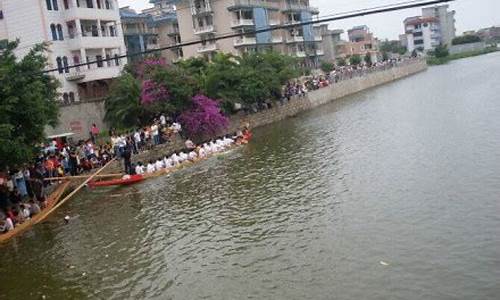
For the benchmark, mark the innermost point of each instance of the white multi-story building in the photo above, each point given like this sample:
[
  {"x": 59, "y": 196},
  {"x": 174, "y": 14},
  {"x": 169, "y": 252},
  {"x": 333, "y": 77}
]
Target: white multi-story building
[
  {"x": 201, "y": 20},
  {"x": 77, "y": 31},
  {"x": 435, "y": 27},
  {"x": 422, "y": 34}
]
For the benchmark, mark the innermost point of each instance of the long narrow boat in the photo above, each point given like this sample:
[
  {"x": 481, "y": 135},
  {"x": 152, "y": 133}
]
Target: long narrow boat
[
  {"x": 119, "y": 181},
  {"x": 51, "y": 202}
]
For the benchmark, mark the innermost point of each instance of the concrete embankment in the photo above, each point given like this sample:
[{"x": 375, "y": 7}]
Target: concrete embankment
[{"x": 299, "y": 104}]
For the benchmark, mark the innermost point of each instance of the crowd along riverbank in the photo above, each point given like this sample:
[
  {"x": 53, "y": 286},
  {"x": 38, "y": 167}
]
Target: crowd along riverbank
[{"x": 341, "y": 86}]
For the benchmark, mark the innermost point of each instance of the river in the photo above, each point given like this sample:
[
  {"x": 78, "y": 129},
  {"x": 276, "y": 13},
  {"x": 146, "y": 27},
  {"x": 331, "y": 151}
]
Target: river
[{"x": 392, "y": 193}]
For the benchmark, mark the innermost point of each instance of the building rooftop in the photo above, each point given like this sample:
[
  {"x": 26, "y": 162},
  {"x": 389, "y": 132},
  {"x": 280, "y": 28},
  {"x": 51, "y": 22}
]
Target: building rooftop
[{"x": 419, "y": 20}]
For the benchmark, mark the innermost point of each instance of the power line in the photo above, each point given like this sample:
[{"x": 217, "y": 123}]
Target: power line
[{"x": 341, "y": 16}]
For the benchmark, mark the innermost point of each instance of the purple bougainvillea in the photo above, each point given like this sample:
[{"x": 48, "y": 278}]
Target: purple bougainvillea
[
  {"x": 204, "y": 117},
  {"x": 153, "y": 92}
]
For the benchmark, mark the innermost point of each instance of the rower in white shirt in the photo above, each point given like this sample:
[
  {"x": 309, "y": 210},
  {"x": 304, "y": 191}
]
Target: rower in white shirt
[
  {"x": 220, "y": 143},
  {"x": 167, "y": 162},
  {"x": 192, "y": 155},
  {"x": 183, "y": 156},
  {"x": 159, "y": 164},
  {"x": 201, "y": 152},
  {"x": 214, "y": 147},
  {"x": 139, "y": 169},
  {"x": 175, "y": 159},
  {"x": 151, "y": 167},
  {"x": 207, "y": 149}
]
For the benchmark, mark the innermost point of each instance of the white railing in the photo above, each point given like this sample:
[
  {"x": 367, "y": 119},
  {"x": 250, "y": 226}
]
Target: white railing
[
  {"x": 253, "y": 3},
  {"x": 207, "y": 48},
  {"x": 245, "y": 41},
  {"x": 205, "y": 29},
  {"x": 242, "y": 22},
  {"x": 295, "y": 39},
  {"x": 313, "y": 10},
  {"x": 300, "y": 54}
]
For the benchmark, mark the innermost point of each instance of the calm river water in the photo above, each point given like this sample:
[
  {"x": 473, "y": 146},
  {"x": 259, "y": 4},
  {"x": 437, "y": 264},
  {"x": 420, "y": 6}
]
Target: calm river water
[{"x": 407, "y": 174}]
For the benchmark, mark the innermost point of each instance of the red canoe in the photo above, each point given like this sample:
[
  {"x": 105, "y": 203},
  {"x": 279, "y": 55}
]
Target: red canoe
[{"x": 131, "y": 180}]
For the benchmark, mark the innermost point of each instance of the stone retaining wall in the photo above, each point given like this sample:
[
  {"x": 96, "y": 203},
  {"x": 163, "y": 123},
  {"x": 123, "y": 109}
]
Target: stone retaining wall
[{"x": 299, "y": 104}]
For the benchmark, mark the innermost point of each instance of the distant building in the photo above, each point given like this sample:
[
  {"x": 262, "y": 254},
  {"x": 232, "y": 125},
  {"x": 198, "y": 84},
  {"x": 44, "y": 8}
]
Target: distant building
[
  {"x": 435, "y": 27},
  {"x": 445, "y": 20},
  {"x": 361, "y": 42},
  {"x": 138, "y": 34},
  {"x": 331, "y": 40},
  {"x": 205, "y": 19},
  {"x": 153, "y": 28},
  {"x": 490, "y": 34}
]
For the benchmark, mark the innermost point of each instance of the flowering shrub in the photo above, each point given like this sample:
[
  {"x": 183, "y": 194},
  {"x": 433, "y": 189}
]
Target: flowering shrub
[
  {"x": 204, "y": 117},
  {"x": 152, "y": 92}
]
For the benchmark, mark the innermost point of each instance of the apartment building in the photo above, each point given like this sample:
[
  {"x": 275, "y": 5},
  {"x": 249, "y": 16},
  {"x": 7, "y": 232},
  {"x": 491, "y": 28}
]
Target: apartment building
[
  {"x": 138, "y": 33},
  {"x": 77, "y": 31},
  {"x": 445, "y": 21},
  {"x": 435, "y": 27},
  {"x": 200, "y": 20},
  {"x": 331, "y": 41},
  {"x": 153, "y": 28},
  {"x": 422, "y": 34},
  {"x": 361, "y": 42}
]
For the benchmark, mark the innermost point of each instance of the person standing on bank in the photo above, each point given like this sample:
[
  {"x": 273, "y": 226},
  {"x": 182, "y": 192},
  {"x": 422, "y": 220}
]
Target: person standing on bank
[
  {"x": 127, "y": 154},
  {"x": 94, "y": 133}
]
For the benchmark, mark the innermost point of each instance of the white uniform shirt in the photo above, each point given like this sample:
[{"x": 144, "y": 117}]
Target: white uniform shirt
[
  {"x": 192, "y": 155},
  {"x": 137, "y": 137},
  {"x": 139, "y": 170},
  {"x": 168, "y": 162},
  {"x": 151, "y": 168},
  {"x": 175, "y": 159},
  {"x": 154, "y": 130},
  {"x": 159, "y": 165},
  {"x": 183, "y": 156},
  {"x": 202, "y": 153}
]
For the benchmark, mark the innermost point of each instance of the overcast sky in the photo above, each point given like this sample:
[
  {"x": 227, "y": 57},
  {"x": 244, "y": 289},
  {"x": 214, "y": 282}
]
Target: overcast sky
[{"x": 471, "y": 14}]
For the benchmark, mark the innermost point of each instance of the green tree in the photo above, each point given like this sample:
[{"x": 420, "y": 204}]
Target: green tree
[
  {"x": 392, "y": 47},
  {"x": 28, "y": 103},
  {"x": 368, "y": 59},
  {"x": 440, "y": 51},
  {"x": 123, "y": 107},
  {"x": 355, "y": 59},
  {"x": 326, "y": 67},
  {"x": 465, "y": 39},
  {"x": 341, "y": 62}
]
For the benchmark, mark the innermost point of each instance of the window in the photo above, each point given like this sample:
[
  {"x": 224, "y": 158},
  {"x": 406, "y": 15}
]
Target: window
[
  {"x": 65, "y": 98},
  {"x": 59, "y": 65},
  {"x": 90, "y": 4},
  {"x": 108, "y": 4},
  {"x": 66, "y": 5},
  {"x": 71, "y": 97},
  {"x": 60, "y": 32},
  {"x": 98, "y": 58},
  {"x": 54, "y": 5},
  {"x": 1, "y": 15},
  {"x": 65, "y": 64},
  {"x": 112, "y": 31},
  {"x": 49, "y": 4},
  {"x": 419, "y": 42},
  {"x": 98, "y": 4},
  {"x": 426, "y": 25},
  {"x": 88, "y": 64},
  {"x": 117, "y": 60},
  {"x": 78, "y": 3},
  {"x": 417, "y": 34},
  {"x": 95, "y": 32},
  {"x": 53, "y": 31}
]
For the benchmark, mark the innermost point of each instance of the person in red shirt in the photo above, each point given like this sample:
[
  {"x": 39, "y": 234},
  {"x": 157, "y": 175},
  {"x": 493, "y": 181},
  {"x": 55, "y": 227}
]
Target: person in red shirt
[{"x": 94, "y": 132}]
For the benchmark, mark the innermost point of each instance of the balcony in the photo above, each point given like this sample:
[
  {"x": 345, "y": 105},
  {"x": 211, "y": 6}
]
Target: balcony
[
  {"x": 277, "y": 39},
  {"x": 173, "y": 31},
  {"x": 208, "y": 48},
  {"x": 300, "y": 54},
  {"x": 299, "y": 8},
  {"x": 274, "y": 22},
  {"x": 204, "y": 30},
  {"x": 318, "y": 38},
  {"x": 239, "y": 4},
  {"x": 245, "y": 41},
  {"x": 85, "y": 75},
  {"x": 91, "y": 14},
  {"x": 202, "y": 10},
  {"x": 95, "y": 42},
  {"x": 242, "y": 23},
  {"x": 295, "y": 39},
  {"x": 320, "y": 52}
]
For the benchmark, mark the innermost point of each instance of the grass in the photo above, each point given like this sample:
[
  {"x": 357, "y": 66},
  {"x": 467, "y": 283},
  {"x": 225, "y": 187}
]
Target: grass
[{"x": 431, "y": 60}]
